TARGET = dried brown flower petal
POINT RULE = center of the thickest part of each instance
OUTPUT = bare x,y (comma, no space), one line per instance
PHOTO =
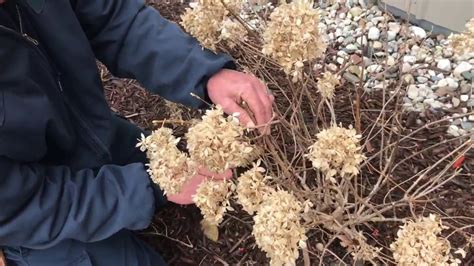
213,199
251,189
418,243
232,32
327,85
463,43
174,111
208,22
217,142
364,251
292,36
277,228
168,166
336,151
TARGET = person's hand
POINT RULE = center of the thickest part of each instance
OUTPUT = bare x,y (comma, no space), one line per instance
189,189
229,88
3,262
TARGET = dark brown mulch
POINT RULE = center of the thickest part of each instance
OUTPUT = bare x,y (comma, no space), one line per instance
176,231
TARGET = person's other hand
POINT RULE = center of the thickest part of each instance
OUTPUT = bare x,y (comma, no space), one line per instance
3,262
228,88
185,197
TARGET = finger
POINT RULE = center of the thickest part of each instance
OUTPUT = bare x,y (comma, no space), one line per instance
252,99
267,100
223,176
232,107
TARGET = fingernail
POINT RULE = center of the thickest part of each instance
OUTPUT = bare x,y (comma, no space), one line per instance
251,124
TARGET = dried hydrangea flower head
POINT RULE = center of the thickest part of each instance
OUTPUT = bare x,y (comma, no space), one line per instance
232,32
251,189
327,85
363,250
336,151
168,167
175,112
205,20
213,199
277,228
464,43
217,142
418,243
292,36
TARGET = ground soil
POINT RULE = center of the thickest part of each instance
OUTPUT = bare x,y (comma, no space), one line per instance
176,230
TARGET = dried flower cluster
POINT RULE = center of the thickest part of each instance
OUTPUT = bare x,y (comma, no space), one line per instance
168,167
418,243
252,190
209,22
217,142
363,250
174,111
337,151
292,36
232,32
212,198
327,85
464,43
277,228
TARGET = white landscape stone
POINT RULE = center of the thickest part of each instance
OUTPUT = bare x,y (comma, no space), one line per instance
455,101
374,68
377,20
418,32
409,59
390,60
453,130
355,11
391,35
412,92
422,79
406,67
394,27
462,67
351,48
374,33
448,82
444,64
377,45
453,84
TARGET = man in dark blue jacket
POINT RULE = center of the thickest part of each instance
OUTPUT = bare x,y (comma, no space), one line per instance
72,184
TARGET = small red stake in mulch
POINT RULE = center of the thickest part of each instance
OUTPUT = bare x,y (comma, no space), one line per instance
458,163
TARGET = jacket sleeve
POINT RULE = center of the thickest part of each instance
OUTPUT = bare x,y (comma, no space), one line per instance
135,41
41,206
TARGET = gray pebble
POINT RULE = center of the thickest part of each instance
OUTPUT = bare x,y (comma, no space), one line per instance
466,125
